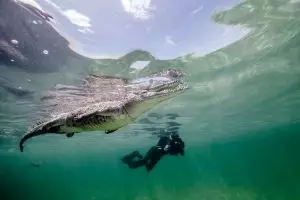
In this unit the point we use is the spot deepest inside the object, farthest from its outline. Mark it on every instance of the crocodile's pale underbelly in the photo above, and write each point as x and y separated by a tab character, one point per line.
117	121
113	123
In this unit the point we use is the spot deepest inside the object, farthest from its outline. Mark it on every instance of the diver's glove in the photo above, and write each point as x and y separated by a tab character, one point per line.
166	148
168	145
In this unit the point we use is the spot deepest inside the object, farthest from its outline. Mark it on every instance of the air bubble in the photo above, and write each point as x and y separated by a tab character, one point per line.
13	41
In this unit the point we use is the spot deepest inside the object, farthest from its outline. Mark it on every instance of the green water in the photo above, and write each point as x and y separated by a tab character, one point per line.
240	122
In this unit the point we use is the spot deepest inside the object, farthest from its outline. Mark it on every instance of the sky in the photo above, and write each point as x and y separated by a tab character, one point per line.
165	28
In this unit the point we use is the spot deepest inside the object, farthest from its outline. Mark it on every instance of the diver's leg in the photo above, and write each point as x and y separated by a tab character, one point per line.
150	155
149	165
134	160
153	159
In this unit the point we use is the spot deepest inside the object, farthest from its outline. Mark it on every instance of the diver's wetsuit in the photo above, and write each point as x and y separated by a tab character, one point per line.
172	145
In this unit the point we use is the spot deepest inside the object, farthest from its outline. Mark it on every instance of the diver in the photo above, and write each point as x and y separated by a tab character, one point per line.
171	144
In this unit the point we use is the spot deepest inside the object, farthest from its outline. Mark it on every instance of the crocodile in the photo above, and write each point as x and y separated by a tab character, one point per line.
104	103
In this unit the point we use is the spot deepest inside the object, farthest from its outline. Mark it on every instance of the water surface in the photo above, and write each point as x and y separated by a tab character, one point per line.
239	120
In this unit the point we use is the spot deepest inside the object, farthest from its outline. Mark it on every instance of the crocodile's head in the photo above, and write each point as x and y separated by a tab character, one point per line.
159	85
155	88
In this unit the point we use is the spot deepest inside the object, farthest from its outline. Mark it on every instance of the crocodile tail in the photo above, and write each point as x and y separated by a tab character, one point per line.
35	133
26	137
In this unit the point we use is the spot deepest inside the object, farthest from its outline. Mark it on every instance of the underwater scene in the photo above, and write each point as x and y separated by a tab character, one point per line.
150	100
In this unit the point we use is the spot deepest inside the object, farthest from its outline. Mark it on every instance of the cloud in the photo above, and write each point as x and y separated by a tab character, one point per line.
77	18
74	17
197	10
32	2
169	40
85	30
53	5
139	9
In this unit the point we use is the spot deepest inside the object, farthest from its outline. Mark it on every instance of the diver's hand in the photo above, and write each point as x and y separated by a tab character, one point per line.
167	147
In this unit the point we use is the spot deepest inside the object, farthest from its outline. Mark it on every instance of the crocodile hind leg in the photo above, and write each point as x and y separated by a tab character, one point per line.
70	135
110	131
